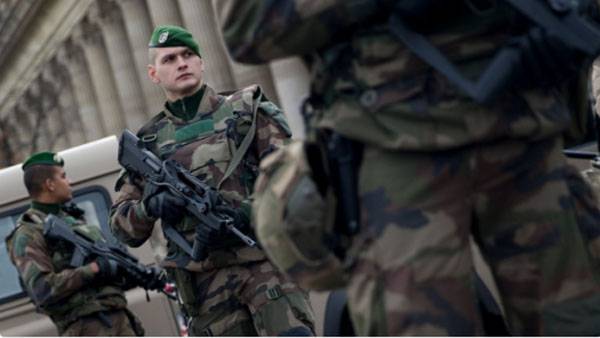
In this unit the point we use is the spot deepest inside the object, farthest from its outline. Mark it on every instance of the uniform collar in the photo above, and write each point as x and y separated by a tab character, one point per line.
46	208
207	102
187	107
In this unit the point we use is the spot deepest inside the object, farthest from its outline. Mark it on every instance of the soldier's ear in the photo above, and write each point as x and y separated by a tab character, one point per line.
49	185
152	74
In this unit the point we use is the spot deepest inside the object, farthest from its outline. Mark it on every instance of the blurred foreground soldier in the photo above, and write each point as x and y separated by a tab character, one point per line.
220	139
82	301
399	130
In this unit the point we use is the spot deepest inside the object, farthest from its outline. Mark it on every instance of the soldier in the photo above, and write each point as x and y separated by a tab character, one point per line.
220	139
437	166
82	301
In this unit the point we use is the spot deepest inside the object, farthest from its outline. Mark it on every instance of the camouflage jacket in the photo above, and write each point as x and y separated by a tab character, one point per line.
370	87
59	291
204	142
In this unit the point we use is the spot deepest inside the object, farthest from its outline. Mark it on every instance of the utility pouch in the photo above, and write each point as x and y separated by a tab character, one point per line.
294	213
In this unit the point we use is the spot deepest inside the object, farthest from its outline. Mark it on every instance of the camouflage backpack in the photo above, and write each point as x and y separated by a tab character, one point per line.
294	220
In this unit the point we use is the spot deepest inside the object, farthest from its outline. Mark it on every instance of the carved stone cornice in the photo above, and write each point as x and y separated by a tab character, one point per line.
32	43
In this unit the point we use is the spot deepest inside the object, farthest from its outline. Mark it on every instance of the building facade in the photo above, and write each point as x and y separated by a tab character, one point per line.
73	71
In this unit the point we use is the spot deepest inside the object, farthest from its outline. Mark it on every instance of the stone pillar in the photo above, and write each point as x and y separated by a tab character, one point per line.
16	136
107	16
26	125
164	12
32	105
89	37
66	105
199	18
139	29
72	58
293	86
56	126
9	142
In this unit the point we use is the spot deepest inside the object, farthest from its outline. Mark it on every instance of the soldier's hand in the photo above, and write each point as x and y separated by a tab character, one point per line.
239	217
108	269
166	206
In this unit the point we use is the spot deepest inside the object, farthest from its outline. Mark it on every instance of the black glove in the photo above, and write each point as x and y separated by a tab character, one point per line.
239	217
153	279
73	210
164	205
109	269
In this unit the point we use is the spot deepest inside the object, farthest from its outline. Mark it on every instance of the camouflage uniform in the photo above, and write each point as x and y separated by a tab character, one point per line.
437	168
77	303
235	290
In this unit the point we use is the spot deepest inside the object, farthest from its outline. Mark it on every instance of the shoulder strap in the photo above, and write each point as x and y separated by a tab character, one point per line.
143	133
243	148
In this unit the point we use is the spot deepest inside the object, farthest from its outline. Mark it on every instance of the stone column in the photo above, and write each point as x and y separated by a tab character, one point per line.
293	86
32	105
164	12
67	108
139	29
16	136
9	142
199	18
108	17
72	58
56	126
88	35
26	125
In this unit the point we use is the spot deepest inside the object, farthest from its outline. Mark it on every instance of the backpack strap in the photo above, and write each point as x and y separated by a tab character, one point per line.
243	148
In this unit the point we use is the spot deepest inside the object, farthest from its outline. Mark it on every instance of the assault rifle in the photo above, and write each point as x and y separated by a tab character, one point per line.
149	278
201	201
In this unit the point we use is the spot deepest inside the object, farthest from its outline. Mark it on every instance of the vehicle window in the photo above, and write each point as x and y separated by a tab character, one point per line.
96	203
9	283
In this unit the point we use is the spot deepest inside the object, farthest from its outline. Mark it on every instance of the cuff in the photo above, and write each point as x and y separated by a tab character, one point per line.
87	272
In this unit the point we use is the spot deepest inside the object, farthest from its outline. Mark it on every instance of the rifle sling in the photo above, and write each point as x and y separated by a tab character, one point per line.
243	148
177	238
497	75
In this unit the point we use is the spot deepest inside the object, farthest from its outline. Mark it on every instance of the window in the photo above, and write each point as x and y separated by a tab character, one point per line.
9	285
96	203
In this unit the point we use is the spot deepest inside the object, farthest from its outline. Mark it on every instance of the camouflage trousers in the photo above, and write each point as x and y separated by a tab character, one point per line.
113	323
248	300
535	220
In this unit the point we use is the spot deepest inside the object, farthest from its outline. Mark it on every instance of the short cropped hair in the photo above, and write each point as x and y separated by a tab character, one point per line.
35	176
152	55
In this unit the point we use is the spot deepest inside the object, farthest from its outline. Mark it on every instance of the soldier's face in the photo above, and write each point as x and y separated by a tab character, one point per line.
59	186
177	70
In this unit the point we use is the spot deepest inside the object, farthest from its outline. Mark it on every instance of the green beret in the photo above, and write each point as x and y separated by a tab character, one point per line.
45	157
173	36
